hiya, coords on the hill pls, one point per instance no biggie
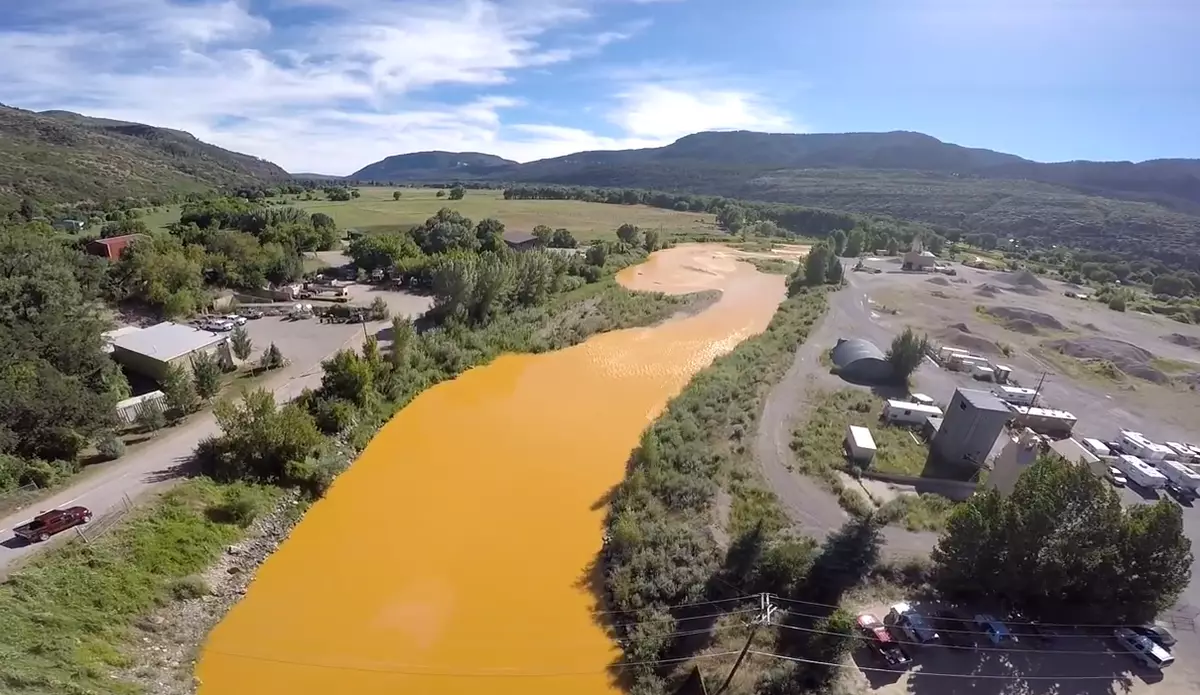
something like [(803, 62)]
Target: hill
[(417, 166), (60, 156)]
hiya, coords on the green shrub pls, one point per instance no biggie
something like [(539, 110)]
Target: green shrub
[(111, 447), (189, 587), (240, 504)]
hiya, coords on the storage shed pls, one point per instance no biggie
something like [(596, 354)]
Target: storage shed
[(860, 445), (859, 360)]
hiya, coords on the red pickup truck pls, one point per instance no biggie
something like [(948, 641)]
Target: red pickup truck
[(46, 524)]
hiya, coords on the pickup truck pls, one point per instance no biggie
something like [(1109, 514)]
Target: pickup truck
[(881, 642), (46, 524)]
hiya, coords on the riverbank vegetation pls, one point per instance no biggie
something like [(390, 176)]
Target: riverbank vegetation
[(64, 617)]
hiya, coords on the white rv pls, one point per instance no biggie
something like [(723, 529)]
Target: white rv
[(1180, 474), (1015, 394), (906, 413), (1182, 453), (1140, 472), (1136, 444)]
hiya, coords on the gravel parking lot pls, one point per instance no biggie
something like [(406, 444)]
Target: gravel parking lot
[(1078, 661)]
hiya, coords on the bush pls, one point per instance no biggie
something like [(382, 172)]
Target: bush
[(189, 587), (379, 309), (239, 505), (40, 473), (272, 358), (111, 447), (151, 417)]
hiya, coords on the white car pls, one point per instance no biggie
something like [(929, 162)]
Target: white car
[(1145, 649), (237, 320), (1117, 477), (220, 325)]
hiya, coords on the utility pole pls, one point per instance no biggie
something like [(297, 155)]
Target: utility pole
[(766, 610), (1037, 391)]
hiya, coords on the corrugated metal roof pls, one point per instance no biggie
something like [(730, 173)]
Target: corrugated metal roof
[(166, 341), (847, 352)]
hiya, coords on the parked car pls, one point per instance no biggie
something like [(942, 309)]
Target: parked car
[(46, 524), (1032, 629), (252, 313), (1146, 650), (219, 325), (995, 630), (1158, 633), (881, 642), (237, 319), (1181, 494), (1116, 477), (912, 623), (954, 630)]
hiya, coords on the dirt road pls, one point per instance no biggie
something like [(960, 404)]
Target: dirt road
[(814, 509)]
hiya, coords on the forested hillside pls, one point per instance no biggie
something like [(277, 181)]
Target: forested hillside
[(59, 156)]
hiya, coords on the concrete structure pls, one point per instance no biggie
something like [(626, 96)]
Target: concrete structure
[(1075, 452), (1140, 472), (112, 247), (129, 409), (1018, 454), (973, 422), (919, 260), (1180, 474), (1137, 444), (859, 360), (520, 241), (1044, 420), (1015, 394), (151, 351), (860, 445), (906, 413)]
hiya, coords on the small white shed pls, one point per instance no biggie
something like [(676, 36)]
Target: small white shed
[(860, 445)]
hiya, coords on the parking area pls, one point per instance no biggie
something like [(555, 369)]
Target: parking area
[(1067, 661)]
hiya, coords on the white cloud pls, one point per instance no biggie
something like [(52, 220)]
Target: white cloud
[(334, 95)]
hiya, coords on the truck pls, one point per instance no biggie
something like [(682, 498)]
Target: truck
[(1140, 472), (46, 524), (881, 642)]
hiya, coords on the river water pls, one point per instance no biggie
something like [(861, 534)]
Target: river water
[(454, 555)]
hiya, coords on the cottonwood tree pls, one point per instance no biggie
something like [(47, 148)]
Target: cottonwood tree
[(349, 377), (816, 265), (543, 234), (1062, 546), (179, 390), (563, 239), (457, 193), (838, 240), (403, 334), (240, 343), (260, 441), (834, 274), (206, 373), (906, 353), (652, 241), (628, 234), (855, 243)]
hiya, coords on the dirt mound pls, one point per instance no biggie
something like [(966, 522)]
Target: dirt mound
[(1022, 326), (959, 335), (1184, 340), (1090, 326), (1127, 357), (962, 281), (1025, 280), (986, 290), (1012, 314), (939, 294), (939, 280)]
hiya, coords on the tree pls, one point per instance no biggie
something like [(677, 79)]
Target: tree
[(1062, 546), (441, 194), (240, 343), (179, 390), (731, 217), (893, 246), (395, 195), (534, 276), (383, 250), (457, 193), (29, 210), (151, 417), (110, 447), (839, 242), (490, 233), (835, 273), (348, 377), (206, 373), (260, 441), (906, 354), (628, 234), (652, 242), (379, 309), (1171, 285), (272, 358), (816, 264), (597, 254), (543, 234), (855, 242), (563, 239), (403, 334)]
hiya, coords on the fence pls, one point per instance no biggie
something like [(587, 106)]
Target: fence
[(106, 522), (18, 498), (130, 409)]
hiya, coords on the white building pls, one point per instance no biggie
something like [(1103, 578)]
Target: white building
[(860, 444), (1016, 394), (1017, 455), (907, 413)]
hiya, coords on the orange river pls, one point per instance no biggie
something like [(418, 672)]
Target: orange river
[(453, 556)]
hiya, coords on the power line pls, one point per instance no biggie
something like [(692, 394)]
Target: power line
[(964, 632), (982, 676), (857, 636), (668, 617), (752, 597), (405, 669)]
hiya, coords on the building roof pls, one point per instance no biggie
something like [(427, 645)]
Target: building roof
[(123, 239), (166, 341), (111, 336), (983, 400), (517, 237), (847, 352)]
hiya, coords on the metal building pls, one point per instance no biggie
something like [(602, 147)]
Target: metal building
[(972, 423), (859, 360)]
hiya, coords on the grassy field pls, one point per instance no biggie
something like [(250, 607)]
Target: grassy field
[(376, 210), (821, 438)]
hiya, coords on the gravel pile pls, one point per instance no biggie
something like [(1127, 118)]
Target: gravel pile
[(939, 280), (986, 290), (1184, 340), (1127, 357), (959, 335), (168, 642), (1023, 279), (1019, 319)]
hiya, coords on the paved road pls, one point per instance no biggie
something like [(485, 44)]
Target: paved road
[(158, 462), (805, 500)]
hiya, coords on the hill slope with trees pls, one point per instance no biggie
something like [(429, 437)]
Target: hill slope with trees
[(59, 156)]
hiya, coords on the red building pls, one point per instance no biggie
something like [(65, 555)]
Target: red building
[(112, 247)]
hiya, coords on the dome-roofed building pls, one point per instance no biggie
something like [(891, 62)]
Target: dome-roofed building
[(860, 361)]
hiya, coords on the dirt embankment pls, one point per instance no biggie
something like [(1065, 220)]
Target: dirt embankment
[(1129, 358), (1025, 321), (959, 335), (1184, 340), (1025, 282), (169, 641)]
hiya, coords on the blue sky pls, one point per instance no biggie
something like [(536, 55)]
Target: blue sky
[(332, 85)]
